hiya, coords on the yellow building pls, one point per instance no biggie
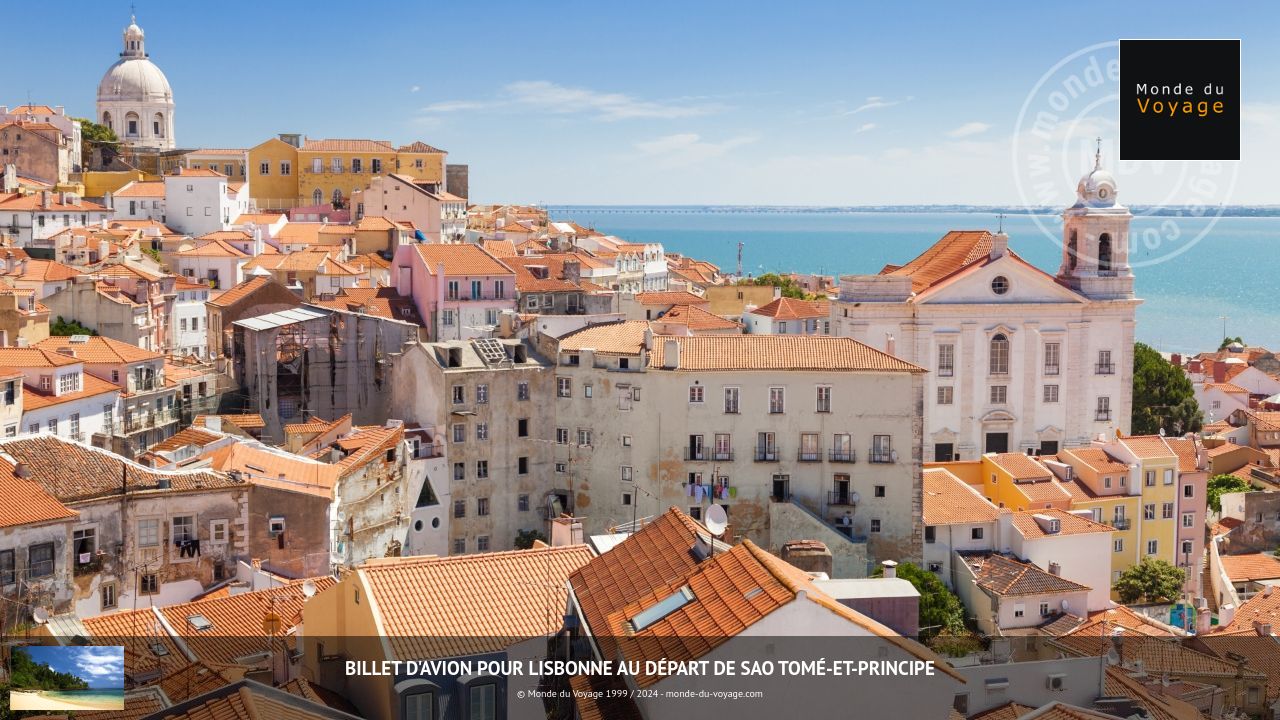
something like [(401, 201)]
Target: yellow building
[(1100, 483), (273, 174), (290, 171)]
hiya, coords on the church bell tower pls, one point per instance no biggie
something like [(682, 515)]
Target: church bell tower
[(1095, 239)]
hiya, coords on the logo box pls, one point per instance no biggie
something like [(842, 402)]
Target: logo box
[(1180, 99)]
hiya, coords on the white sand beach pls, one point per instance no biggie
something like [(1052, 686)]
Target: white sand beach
[(37, 700)]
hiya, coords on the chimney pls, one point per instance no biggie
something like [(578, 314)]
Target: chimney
[(1055, 569), (22, 470), (890, 345), (1263, 629), (1219, 372), (811, 556), (1175, 359), (10, 178), (671, 354), (104, 248), (890, 568), (45, 198), (999, 245)]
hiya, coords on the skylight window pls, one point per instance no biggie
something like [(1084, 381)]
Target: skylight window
[(199, 622), (663, 608)]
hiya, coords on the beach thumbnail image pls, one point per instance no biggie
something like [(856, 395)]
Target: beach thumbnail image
[(66, 678)]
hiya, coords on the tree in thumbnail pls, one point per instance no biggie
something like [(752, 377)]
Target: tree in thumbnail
[(1150, 580), (1162, 396)]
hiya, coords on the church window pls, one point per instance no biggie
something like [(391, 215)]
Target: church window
[(1104, 253), (317, 197), (1071, 251), (999, 356), (1000, 285)]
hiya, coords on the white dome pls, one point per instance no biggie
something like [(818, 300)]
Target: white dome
[(1098, 187), (135, 79)]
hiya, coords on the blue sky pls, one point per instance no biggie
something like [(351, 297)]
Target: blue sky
[(101, 667), (664, 102)]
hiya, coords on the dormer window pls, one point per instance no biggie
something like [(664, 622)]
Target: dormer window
[(68, 383)]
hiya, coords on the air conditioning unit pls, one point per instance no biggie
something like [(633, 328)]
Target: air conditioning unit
[(935, 567), (1056, 682)]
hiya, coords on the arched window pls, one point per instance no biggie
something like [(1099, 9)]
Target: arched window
[(317, 197), (157, 125), (999, 360), (1104, 253), (131, 125), (337, 198), (106, 120), (1071, 251)]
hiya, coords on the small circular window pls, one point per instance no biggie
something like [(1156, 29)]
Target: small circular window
[(1102, 193), (417, 526), (1000, 285), (435, 522)]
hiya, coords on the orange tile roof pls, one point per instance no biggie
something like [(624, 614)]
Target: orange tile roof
[(776, 352), (1260, 653), (229, 235), (614, 338), (1097, 459), (1225, 448), (235, 294), (499, 248), (955, 251), (347, 145), (1253, 566), (190, 436), (1008, 577), (44, 271), (464, 259), (434, 607), (35, 201), (1043, 491), (98, 349), (1158, 704), (27, 502), (73, 472), (1188, 452), (697, 318), (1263, 607), (1148, 447), (213, 248), (276, 468), (670, 297), (1020, 466), (948, 500), (195, 172), (33, 357), (1069, 524), (142, 188), (90, 386), (1226, 387), (785, 308), (420, 147), (267, 218), (380, 302), (191, 680), (1008, 711), (244, 421), (603, 697)]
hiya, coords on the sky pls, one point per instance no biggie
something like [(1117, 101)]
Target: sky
[(101, 667), (806, 103)]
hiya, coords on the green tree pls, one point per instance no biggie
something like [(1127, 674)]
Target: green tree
[(1162, 396), (92, 136), (940, 610), (66, 328), (526, 538), (1227, 341), (1151, 580), (789, 287), (1221, 484)]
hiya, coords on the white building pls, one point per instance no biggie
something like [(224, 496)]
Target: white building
[(134, 97), (198, 202), (140, 200), (187, 321), (1018, 359), (59, 397), (55, 116), (789, 316), (1066, 544), (42, 215), (956, 518)]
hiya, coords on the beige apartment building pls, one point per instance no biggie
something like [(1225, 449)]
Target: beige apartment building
[(773, 428), (487, 403)]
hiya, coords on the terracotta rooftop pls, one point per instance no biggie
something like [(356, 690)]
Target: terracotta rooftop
[(98, 349), (1148, 447), (187, 437), (276, 468), (1254, 566), (1097, 459), (785, 308), (1069, 524), (44, 271), (346, 145), (33, 357), (464, 259), (955, 251), (142, 188), (235, 294), (72, 472), (948, 500), (776, 352), (27, 502), (613, 338), (380, 302), (1009, 577), (214, 248), (696, 318), (433, 607), (670, 297), (1020, 466)]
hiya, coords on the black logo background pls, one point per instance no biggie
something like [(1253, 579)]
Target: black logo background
[(1184, 136)]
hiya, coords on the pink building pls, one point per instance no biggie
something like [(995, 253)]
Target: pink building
[(459, 290)]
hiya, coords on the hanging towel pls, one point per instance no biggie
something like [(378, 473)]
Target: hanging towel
[(733, 492)]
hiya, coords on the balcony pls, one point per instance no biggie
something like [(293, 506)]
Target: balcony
[(766, 454), (842, 498), (1052, 369), (475, 298), (810, 455), (842, 456), (880, 456), (1102, 416), (92, 567), (722, 454), (1105, 369), (695, 453), (946, 371), (1119, 523), (432, 450)]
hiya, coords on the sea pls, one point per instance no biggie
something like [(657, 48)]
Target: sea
[(1195, 275), (105, 699)]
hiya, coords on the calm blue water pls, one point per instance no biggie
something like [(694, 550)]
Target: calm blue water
[(1230, 271)]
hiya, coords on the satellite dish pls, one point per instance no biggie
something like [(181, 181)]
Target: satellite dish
[(309, 588), (40, 615), (717, 520)]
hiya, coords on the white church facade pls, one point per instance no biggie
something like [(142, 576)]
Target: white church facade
[(1018, 360), (134, 97)]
